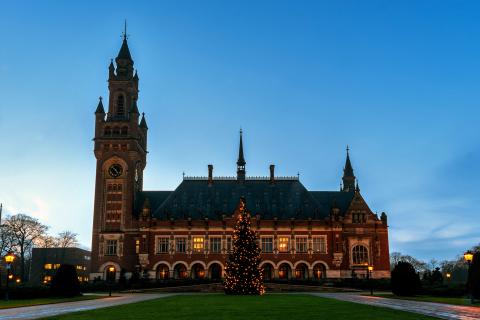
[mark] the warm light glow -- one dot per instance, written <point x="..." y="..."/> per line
<point x="18" y="280"/>
<point x="111" y="269"/>
<point x="10" y="276"/>
<point x="468" y="256"/>
<point x="283" y="244"/>
<point x="9" y="258"/>
<point x="448" y="275"/>
<point x="198" y="244"/>
<point x="370" y="268"/>
<point x="48" y="266"/>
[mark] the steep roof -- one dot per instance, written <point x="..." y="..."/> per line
<point x="124" y="52"/>
<point x="284" y="199"/>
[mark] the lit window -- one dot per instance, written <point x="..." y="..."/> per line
<point x="79" y="268"/>
<point x="48" y="266"/>
<point x="319" y="245"/>
<point x="283" y="244"/>
<point x="267" y="244"/>
<point x="360" y="255"/>
<point x="181" y="245"/>
<point x="47" y="279"/>
<point x="162" y="245"/>
<point x="198" y="244"/>
<point x="137" y="246"/>
<point x="301" y="244"/>
<point x="111" y="248"/>
<point x="216" y="245"/>
<point x="56" y="265"/>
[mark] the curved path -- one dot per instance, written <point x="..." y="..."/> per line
<point x="48" y="310"/>
<point x="439" y="310"/>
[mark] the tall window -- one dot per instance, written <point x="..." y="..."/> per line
<point x="229" y="244"/>
<point x="360" y="255"/>
<point x="359" y="217"/>
<point x="215" y="245"/>
<point x="181" y="245"/>
<point x="111" y="248"/>
<point x="137" y="246"/>
<point x="301" y="244"/>
<point x="114" y="203"/>
<point x="162" y="245"/>
<point x="198" y="244"/>
<point x="267" y="244"/>
<point x="120" y="104"/>
<point x="283" y="244"/>
<point x="319" y="245"/>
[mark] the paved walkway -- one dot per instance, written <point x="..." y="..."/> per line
<point x="439" y="310"/>
<point x="48" y="310"/>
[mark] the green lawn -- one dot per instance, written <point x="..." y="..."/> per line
<point x="216" y="306"/>
<point x="448" y="300"/>
<point x="34" y="302"/>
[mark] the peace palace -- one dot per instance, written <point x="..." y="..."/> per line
<point x="186" y="233"/>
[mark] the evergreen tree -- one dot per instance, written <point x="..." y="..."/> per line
<point x="405" y="280"/>
<point x="243" y="272"/>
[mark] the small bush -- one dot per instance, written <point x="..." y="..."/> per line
<point x="405" y="280"/>
<point x="65" y="282"/>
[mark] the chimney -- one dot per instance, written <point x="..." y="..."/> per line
<point x="272" y="173"/>
<point x="210" y="174"/>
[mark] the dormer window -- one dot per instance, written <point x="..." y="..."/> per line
<point x="120" y="104"/>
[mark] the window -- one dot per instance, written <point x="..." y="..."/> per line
<point x="137" y="246"/>
<point x="360" y="255"/>
<point x="47" y="279"/>
<point x="319" y="245"/>
<point x="108" y="131"/>
<point x="124" y="131"/>
<point x="283" y="244"/>
<point x="120" y="104"/>
<point x="229" y="244"/>
<point x="181" y="244"/>
<point x="162" y="245"/>
<point x="114" y="202"/>
<point x="359" y="217"/>
<point x="111" y="248"/>
<point x="301" y="244"/>
<point x="48" y="266"/>
<point x="198" y="244"/>
<point x="215" y="245"/>
<point x="267" y="244"/>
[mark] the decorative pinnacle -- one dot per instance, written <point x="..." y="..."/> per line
<point x="124" y="33"/>
<point x="100" y="98"/>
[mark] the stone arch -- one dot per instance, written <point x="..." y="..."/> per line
<point x="198" y="270"/>
<point x="322" y="262"/>
<point x="155" y="266"/>
<point x="180" y="270"/>
<point x="285" y="261"/>
<point x="268" y="269"/>
<point x="215" y="269"/>
<point x="319" y="270"/>
<point x="285" y="269"/>
<point x="267" y="261"/>
<point x="103" y="269"/>
<point x="301" y="270"/>
<point x="114" y="159"/>
<point x="304" y="262"/>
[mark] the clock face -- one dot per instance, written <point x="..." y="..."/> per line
<point x="115" y="170"/>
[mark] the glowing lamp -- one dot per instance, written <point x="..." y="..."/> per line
<point x="9" y="258"/>
<point x="370" y="268"/>
<point x="468" y="256"/>
<point x="111" y="269"/>
<point x="10" y="276"/>
<point x="18" y="280"/>
<point x="448" y="275"/>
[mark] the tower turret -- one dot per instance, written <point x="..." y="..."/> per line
<point x="348" y="176"/>
<point x="241" y="161"/>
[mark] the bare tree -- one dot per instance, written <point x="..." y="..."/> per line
<point x="24" y="230"/>
<point x="67" y="239"/>
<point x="46" y="241"/>
<point x="419" y="265"/>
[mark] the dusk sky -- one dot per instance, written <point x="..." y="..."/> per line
<point x="397" y="81"/>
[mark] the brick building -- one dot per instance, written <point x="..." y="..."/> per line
<point x="187" y="232"/>
<point x="46" y="261"/>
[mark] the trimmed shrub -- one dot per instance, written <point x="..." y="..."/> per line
<point x="405" y="280"/>
<point x="65" y="282"/>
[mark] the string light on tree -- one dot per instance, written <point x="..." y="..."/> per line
<point x="243" y="272"/>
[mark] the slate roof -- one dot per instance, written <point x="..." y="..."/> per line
<point x="124" y="52"/>
<point x="284" y="199"/>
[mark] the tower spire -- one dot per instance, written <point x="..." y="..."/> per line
<point x="241" y="160"/>
<point x="348" y="176"/>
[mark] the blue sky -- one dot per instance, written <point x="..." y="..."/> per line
<point x="398" y="81"/>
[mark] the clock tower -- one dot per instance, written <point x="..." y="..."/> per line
<point x="120" y="147"/>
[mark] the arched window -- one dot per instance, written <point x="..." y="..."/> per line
<point x="360" y="255"/>
<point x="120" y="104"/>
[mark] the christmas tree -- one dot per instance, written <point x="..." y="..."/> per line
<point x="243" y="273"/>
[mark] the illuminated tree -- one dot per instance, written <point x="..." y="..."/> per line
<point x="243" y="272"/>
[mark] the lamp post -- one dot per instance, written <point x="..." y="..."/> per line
<point x="370" y="269"/>
<point x="111" y="279"/>
<point x="9" y="258"/>
<point x="468" y="256"/>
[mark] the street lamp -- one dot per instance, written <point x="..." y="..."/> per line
<point x="370" y="270"/>
<point x="111" y="279"/>
<point x="9" y="258"/>
<point x="468" y="256"/>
